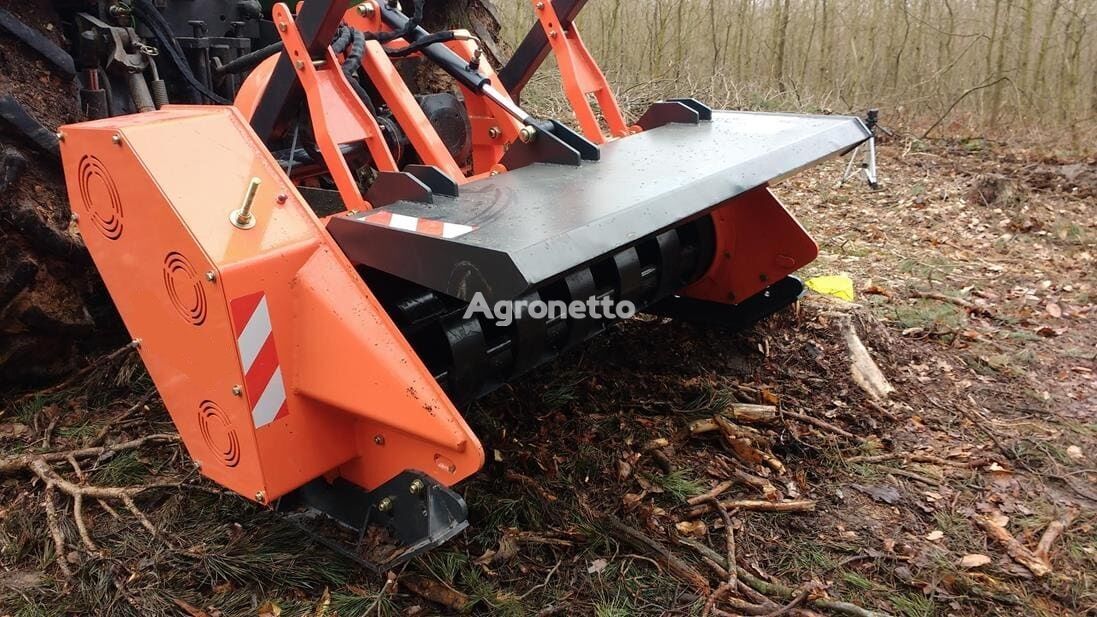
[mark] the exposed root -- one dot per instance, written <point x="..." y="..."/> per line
<point x="24" y="461"/>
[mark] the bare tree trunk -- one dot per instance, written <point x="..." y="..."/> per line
<point x="996" y="93"/>
<point x="780" y="42"/>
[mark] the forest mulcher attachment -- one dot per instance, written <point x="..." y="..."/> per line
<point x="297" y="266"/>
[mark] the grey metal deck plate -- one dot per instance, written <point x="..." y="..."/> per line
<point x="536" y="223"/>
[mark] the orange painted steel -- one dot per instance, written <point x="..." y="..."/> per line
<point x="758" y="243"/>
<point x="153" y="193"/>
<point x="338" y="115"/>
<point x="488" y="148"/>
<point x="581" y="77"/>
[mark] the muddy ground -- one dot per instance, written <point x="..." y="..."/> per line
<point x="974" y="272"/>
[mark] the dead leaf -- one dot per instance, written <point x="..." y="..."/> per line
<point x="269" y="609"/>
<point x="696" y="529"/>
<point x="597" y="566"/>
<point x="1075" y="453"/>
<point x="1054" y="310"/>
<point x="974" y="560"/>
<point x="935" y="535"/>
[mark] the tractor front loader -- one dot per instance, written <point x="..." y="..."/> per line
<point x="296" y="267"/>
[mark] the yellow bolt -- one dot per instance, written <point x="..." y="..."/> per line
<point x="243" y="218"/>
<point x="417" y="487"/>
<point x="385" y="504"/>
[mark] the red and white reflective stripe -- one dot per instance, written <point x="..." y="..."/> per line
<point x="429" y="227"/>
<point x="265" y="388"/>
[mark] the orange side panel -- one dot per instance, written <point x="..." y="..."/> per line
<point x="273" y="358"/>
<point x="757" y="244"/>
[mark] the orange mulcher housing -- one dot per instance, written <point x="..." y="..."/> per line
<point x="287" y="373"/>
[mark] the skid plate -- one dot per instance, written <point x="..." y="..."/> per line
<point x="508" y="233"/>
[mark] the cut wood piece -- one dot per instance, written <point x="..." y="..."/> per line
<point x="866" y="373"/>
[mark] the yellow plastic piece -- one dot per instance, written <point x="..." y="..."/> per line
<point x="839" y="286"/>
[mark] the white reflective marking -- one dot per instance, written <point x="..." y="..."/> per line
<point x="255" y="334"/>
<point x="453" y="230"/>
<point x="268" y="405"/>
<point x="407" y="223"/>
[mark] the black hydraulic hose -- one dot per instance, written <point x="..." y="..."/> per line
<point x="354" y="52"/>
<point x="249" y="61"/>
<point x="426" y="41"/>
<point x="148" y="13"/>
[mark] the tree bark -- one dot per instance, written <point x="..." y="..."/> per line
<point x="54" y="311"/>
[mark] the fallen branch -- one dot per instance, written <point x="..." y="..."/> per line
<point x="817" y="423"/>
<point x="756" y="505"/>
<point x="716" y="491"/>
<point x="1039" y="566"/>
<point x="1052" y="533"/>
<point x="778" y="590"/>
<point x="914" y="458"/>
<point x="971" y="307"/>
<point x="680" y="569"/>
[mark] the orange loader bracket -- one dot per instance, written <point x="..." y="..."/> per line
<point x="304" y="309"/>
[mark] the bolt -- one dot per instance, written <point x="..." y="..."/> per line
<point x="117" y="139"/>
<point x="385" y="504"/>
<point x="260" y="496"/>
<point x="494" y="132"/>
<point x="417" y="487"/>
<point x="237" y="391"/>
<point x="75" y="217"/>
<point x="243" y="218"/>
<point x="61" y="136"/>
<point x="527" y="134"/>
<point x="540" y="6"/>
<point x="553" y="34"/>
<point x="211" y="276"/>
<point x="300" y="65"/>
<point x="494" y="172"/>
<point x="282" y="198"/>
<point x="379" y="440"/>
<point x="136" y="343"/>
<point x="366" y="9"/>
<point x="283" y="26"/>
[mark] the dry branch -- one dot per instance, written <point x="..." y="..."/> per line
<point x="866" y="373"/>
<point x="757" y="505"/>
<point x="635" y="538"/>
<point x="971" y="307"/>
<point x="1017" y="551"/>
<point x="777" y="590"/>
